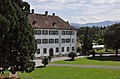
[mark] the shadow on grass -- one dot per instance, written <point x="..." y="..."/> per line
<point x="40" y="67"/>
<point x="105" y="58"/>
<point x="69" y="60"/>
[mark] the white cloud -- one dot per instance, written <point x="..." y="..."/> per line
<point x="83" y="19"/>
<point x="86" y="10"/>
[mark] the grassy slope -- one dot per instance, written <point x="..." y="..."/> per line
<point x="71" y="73"/>
<point x="85" y="61"/>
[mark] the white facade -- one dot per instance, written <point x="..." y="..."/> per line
<point x="62" y="42"/>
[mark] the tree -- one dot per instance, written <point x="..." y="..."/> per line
<point x="17" y="42"/>
<point x="87" y="42"/>
<point x="112" y="38"/>
<point x="72" y="55"/>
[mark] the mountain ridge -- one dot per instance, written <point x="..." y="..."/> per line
<point x="99" y="24"/>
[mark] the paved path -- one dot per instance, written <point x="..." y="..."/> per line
<point x="38" y="61"/>
<point x="85" y="66"/>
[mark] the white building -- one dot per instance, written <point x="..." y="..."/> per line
<point x="54" y="36"/>
<point x="96" y="46"/>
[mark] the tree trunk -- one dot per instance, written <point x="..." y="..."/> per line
<point x="73" y="58"/>
<point x="14" y="76"/>
<point x="116" y="52"/>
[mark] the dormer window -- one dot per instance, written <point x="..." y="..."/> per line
<point x="34" y="22"/>
<point x="53" y="24"/>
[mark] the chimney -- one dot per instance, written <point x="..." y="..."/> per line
<point x="68" y="22"/>
<point x="53" y="14"/>
<point x="46" y="13"/>
<point x="32" y="11"/>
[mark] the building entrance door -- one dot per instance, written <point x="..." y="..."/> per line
<point x="51" y="53"/>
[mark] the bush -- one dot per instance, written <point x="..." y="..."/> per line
<point x="72" y="55"/>
<point x="45" y="61"/>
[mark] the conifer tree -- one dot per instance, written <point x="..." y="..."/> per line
<point x="17" y="42"/>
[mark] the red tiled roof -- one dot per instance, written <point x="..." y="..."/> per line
<point x="42" y="21"/>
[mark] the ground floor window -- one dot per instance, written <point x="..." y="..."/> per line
<point x="44" y="50"/>
<point x="67" y="49"/>
<point x="73" y="48"/>
<point x="38" y="51"/>
<point x="62" y="49"/>
<point x="57" y="49"/>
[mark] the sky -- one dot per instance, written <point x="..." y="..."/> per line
<point x="79" y="11"/>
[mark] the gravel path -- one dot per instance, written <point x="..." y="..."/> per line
<point x="85" y="66"/>
<point x="38" y="63"/>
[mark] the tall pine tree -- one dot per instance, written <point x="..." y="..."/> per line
<point x="17" y="42"/>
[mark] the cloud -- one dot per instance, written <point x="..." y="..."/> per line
<point x="83" y="19"/>
<point x="80" y="10"/>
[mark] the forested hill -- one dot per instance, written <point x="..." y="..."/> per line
<point x="99" y="24"/>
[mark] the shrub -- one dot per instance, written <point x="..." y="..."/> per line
<point x="72" y="55"/>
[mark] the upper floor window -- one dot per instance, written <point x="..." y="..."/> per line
<point x="63" y="40"/>
<point x="72" y="32"/>
<point x="52" y="32"/>
<point x="51" y="41"/>
<point x="44" y="41"/>
<point x="67" y="40"/>
<point x="67" y="32"/>
<point x="72" y="40"/>
<point x="38" y="41"/>
<point x="44" y="32"/>
<point x="37" y="32"/>
<point x="56" y="40"/>
<point x="63" y="32"/>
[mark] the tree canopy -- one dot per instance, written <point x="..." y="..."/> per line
<point x="112" y="37"/>
<point x="17" y="42"/>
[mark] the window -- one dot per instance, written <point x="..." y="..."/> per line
<point x="44" y="41"/>
<point x="72" y="40"/>
<point x="67" y="40"/>
<point x="72" y="32"/>
<point x="56" y="40"/>
<point x="73" y="48"/>
<point x="38" y="51"/>
<point x="63" y="32"/>
<point x="44" y="50"/>
<point x="57" y="49"/>
<point x="62" y="49"/>
<point x="34" y="22"/>
<point x="37" y="32"/>
<point x="63" y="40"/>
<point x="67" y="49"/>
<point x="44" y="32"/>
<point x="55" y="32"/>
<point x="51" y="41"/>
<point x="51" y="32"/>
<point x="67" y="32"/>
<point x="38" y="41"/>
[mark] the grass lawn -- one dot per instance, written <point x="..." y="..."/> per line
<point x="104" y="51"/>
<point x="105" y="61"/>
<point x="71" y="73"/>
